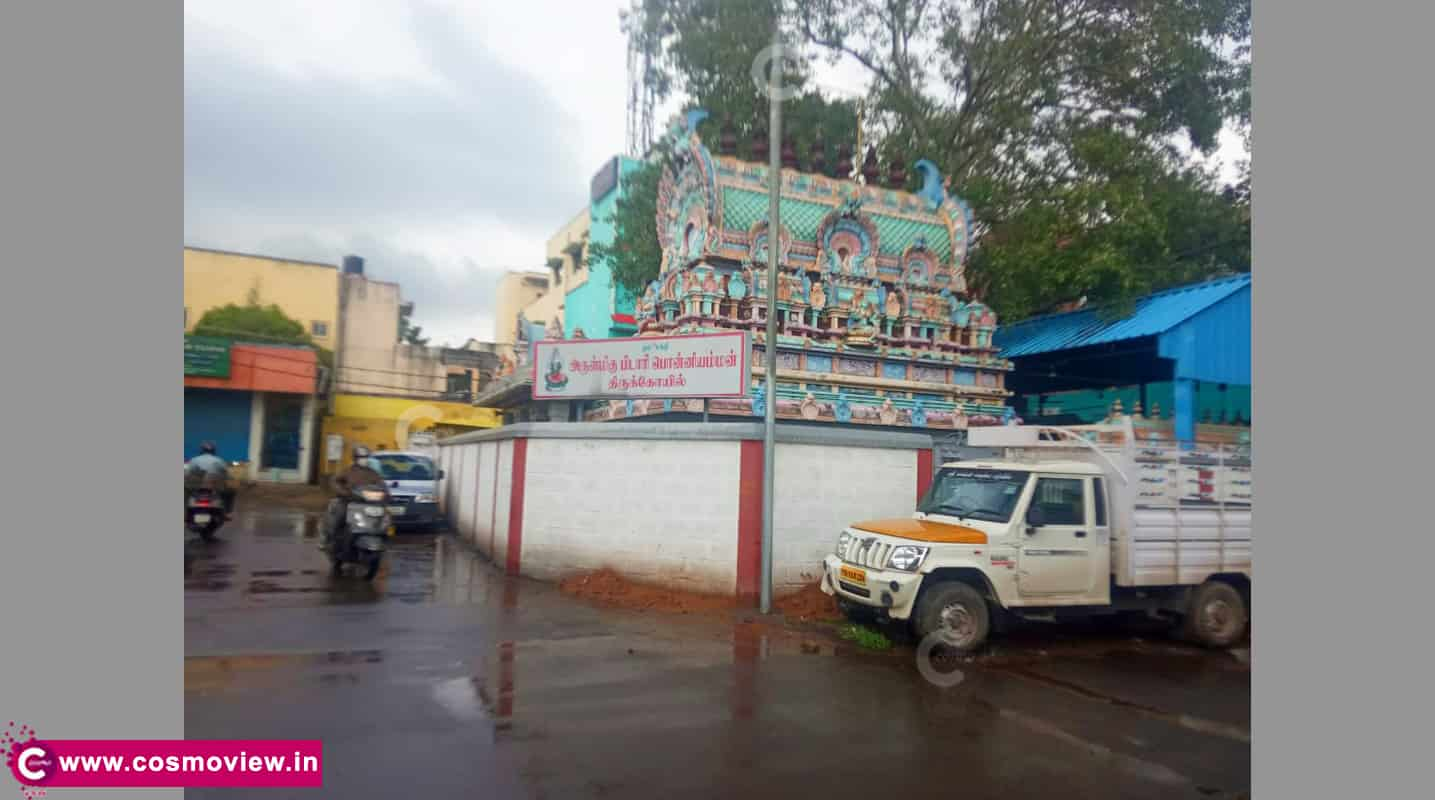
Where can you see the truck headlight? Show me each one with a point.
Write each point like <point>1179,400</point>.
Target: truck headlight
<point>907,557</point>
<point>426,498</point>
<point>843,540</point>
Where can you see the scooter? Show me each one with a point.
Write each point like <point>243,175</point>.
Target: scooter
<point>203,512</point>
<point>366,526</point>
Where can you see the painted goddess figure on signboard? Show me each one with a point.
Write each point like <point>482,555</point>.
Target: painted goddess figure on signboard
<point>554,379</point>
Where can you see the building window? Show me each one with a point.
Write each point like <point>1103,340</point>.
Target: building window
<point>319,328</point>
<point>460,386</point>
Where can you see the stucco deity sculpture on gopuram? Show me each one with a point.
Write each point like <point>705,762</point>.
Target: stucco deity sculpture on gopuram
<point>874,322</point>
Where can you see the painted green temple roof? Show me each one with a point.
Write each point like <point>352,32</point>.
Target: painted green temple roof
<point>874,324</point>
<point>716,207</point>
<point>743,208</point>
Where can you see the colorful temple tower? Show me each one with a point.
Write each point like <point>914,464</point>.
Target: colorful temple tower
<point>874,323</point>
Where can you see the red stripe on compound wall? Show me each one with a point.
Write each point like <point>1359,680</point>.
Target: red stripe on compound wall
<point>924,472</point>
<point>493,506</point>
<point>749,521</point>
<point>515,505</point>
<point>505,679</point>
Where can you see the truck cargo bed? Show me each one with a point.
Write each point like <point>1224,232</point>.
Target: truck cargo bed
<point>1180,512</point>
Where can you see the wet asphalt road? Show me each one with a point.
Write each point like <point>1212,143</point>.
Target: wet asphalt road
<point>444,679</point>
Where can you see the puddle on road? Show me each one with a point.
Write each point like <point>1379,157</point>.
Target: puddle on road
<point>460,697</point>
<point>206,673</point>
<point>283,527</point>
<point>267,557</point>
<point>204,576</point>
<point>270,587</point>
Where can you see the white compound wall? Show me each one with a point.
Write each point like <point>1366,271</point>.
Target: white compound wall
<point>675,505</point>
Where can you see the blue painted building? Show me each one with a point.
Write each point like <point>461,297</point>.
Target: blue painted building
<point>1184,353</point>
<point>595,303</point>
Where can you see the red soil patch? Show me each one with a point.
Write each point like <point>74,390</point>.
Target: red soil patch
<point>809,603</point>
<point>608,588</point>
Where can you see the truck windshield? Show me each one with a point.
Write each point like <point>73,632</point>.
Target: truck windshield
<point>403,468</point>
<point>983,494</point>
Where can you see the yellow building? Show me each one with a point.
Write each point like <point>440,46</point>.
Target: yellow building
<point>385,423</point>
<point>565,254</point>
<point>382,390</point>
<point>518,291</point>
<point>306,291</point>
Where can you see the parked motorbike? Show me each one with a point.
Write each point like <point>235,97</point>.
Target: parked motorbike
<point>361,540</point>
<point>203,512</point>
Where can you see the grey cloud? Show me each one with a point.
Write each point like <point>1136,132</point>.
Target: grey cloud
<point>361,165</point>
<point>324,151</point>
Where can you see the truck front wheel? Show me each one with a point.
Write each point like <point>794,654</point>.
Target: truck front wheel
<point>1216,616</point>
<point>957,612</point>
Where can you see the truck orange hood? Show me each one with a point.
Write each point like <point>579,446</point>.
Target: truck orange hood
<point>923,530</point>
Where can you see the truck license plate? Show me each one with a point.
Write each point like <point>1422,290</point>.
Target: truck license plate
<point>201,519</point>
<point>854,575</point>
<point>397,511</point>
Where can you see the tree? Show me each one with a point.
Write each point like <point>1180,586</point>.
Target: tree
<point>1057,121</point>
<point>708,48</point>
<point>408,332</point>
<point>253,321</point>
<point>635,252</point>
<point>264,324</point>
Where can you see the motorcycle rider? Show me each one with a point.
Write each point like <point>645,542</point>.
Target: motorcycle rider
<point>209,469</point>
<point>356,475</point>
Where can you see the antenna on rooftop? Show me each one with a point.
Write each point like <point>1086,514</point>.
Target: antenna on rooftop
<point>641,96</point>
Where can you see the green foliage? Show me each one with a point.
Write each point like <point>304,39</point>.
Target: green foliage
<point>258,323</point>
<point>1138,224</point>
<point>865,637</point>
<point>1057,121</point>
<point>635,254</point>
<point>261,323</point>
<point>713,59</point>
<point>408,332</point>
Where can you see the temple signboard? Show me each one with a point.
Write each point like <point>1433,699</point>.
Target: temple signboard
<point>689,366</point>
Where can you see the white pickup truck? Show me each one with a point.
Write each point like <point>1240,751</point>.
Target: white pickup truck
<point>1076,521</point>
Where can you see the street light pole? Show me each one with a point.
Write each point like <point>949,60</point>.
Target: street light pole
<point>769,420</point>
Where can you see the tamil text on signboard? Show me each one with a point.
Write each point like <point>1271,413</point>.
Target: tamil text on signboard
<point>699,365</point>
<point>206,356</point>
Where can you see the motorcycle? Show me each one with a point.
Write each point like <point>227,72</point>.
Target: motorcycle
<point>203,512</point>
<point>366,525</point>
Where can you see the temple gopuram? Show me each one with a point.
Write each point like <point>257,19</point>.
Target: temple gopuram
<point>875,326</point>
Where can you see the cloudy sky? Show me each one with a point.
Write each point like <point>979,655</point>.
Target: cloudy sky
<point>442,140</point>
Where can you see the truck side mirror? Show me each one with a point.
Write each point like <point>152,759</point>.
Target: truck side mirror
<point>440,474</point>
<point>1035,518</point>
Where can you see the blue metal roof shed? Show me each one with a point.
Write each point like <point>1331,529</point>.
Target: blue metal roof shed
<point>1199,332</point>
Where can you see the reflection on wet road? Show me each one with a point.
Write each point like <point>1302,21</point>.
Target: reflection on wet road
<point>442,678</point>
